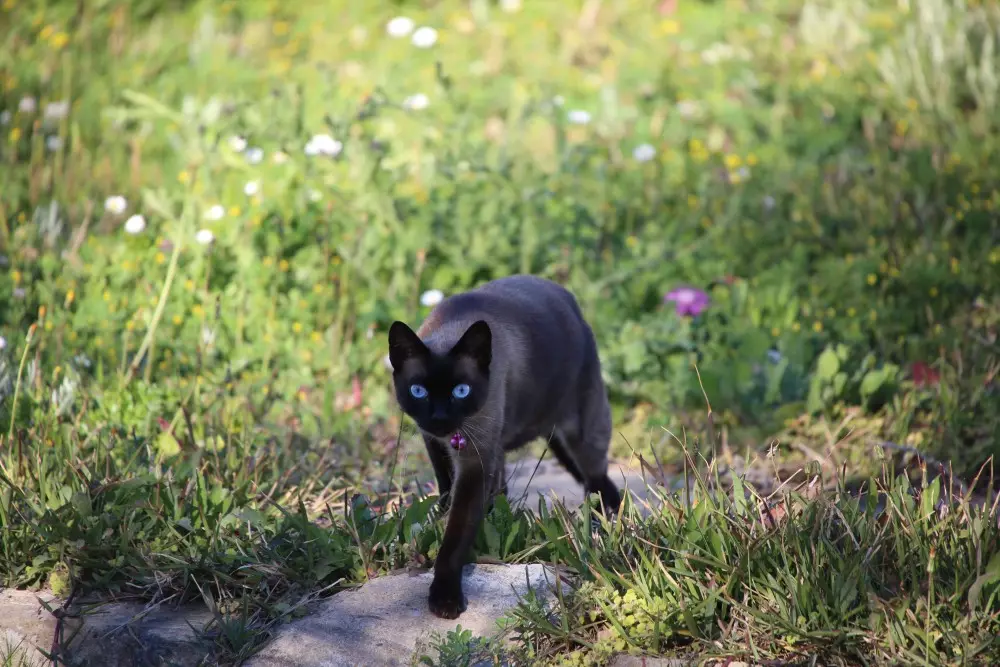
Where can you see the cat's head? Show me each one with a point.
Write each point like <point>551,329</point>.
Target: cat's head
<point>440,391</point>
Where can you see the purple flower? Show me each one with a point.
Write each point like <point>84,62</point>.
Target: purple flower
<point>689,301</point>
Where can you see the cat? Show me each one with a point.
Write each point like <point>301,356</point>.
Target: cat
<point>488,371</point>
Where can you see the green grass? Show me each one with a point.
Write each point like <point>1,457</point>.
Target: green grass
<point>181,420</point>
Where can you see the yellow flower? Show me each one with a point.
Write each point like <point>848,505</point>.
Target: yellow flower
<point>70,295</point>
<point>670,27</point>
<point>796,327</point>
<point>178,319</point>
<point>283,265</point>
<point>234,211</point>
<point>817,326</point>
<point>872,279</point>
<point>307,355</point>
<point>107,295</point>
<point>98,342</point>
<point>297,327</point>
<point>197,310</point>
<point>16,275</point>
<point>318,288</point>
<point>316,336</point>
<point>59,40</point>
<point>954,265</point>
<point>267,261</point>
<point>733,161</point>
<point>912,104</point>
<point>631,242</point>
<point>280,28</point>
<point>46,32</point>
<point>933,291</point>
<point>851,312</point>
<point>775,332</point>
<point>130,325</point>
<point>15,134</point>
<point>189,284</point>
<point>184,177</point>
<point>160,258</point>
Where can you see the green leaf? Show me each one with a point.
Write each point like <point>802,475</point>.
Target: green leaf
<point>991,575</point>
<point>871,383</point>
<point>166,445</point>
<point>828,364</point>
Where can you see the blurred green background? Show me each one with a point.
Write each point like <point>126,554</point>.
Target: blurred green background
<point>212,211</point>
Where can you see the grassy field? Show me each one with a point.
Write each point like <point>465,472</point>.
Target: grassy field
<point>210,212</point>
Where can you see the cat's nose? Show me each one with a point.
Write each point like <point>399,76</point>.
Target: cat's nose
<point>439,414</point>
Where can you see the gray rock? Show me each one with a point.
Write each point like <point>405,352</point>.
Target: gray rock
<point>381,623</point>
<point>550,480</point>
<point>112,634</point>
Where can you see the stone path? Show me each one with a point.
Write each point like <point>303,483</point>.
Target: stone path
<point>382,622</point>
<point>379,623</point>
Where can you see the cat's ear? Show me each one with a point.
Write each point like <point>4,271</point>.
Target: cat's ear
<point>477,343</point>
<point>404,344</point>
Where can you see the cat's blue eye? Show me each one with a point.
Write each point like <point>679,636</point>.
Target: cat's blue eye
<point>418,391</point>
<point>460,390</point>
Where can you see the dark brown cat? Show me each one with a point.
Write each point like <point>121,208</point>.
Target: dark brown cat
<point>488,371</point>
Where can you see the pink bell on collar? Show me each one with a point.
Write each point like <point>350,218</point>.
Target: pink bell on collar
<point>458,441</point>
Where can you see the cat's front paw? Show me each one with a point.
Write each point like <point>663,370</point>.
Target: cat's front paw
<point>446,599</point>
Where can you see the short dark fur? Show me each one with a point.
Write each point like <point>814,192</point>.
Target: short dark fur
<point>530,360</point>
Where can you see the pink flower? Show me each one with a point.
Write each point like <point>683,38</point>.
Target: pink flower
<point>924,375</point>
<point>689,301</point>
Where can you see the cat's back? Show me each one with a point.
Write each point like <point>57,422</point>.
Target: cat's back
<point>521,301</point>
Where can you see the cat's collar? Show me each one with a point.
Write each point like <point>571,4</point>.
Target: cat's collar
<point>457,441</point>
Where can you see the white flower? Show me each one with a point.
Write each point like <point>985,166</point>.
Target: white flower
<point>204,236</point>
<point>251,188</point>
<point>558,100</point>
<point>315,195</point>
<point>27,105</point>
<point>431,297</point>
<point>416,102</point>
<point>578,117</point>
<point>424,37</point>
<point>254,155</point>
<point>238,143</point>
<point>280,157</point>
<point>400,26</point>
<point>135,224</point>
<point>687,108</point>
<point>207,336</point>
<point>57,110</point>
<point>3,344</point>
<point>5,117</point>
<point>116,204</point>
<point>769,202</point>
<point>510,6</point>
<point>644,153</point>
<point>216,212</point>
<point>54,142</point>
<point>324,144</point>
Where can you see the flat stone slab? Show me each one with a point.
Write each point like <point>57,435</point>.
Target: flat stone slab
<point>381,623</point>
<point>551,481</point>
<point>115,634</point>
